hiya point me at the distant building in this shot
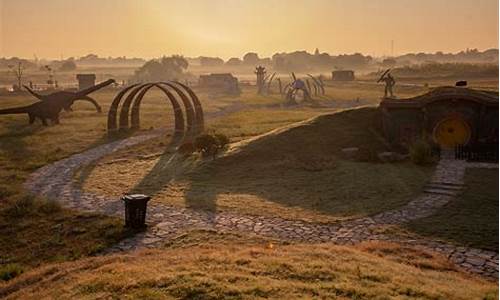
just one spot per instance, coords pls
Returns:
(223, 82)
(344, 75)
(450, 116)
(85, 80)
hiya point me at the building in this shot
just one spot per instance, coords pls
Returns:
(448, 116)
(344, 75)
(223, 82)
(85, 80)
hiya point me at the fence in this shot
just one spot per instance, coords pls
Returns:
(477, 152)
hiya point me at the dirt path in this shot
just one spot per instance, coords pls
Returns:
(55, 181)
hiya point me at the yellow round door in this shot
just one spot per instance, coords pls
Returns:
(451, 132)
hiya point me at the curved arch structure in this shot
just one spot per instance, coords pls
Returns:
(189, 121)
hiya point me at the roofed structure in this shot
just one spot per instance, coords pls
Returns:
(450, 116)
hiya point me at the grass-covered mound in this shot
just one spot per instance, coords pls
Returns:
(295, 172)
(213, 266)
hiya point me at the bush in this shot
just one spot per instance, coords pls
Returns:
(186, 148)
(9, 271)
(24, 205)
(20, 206)
(210, 144)
(49, 206)
(421, 152)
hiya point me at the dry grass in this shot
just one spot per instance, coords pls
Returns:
(232, 268)
(30, 236)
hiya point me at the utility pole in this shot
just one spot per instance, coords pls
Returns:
(392, 48)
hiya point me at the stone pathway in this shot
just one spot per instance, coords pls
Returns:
(55, 181)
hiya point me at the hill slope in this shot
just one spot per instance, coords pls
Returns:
(215, 266)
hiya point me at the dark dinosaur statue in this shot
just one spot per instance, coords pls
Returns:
(72, 96)
(51, 105)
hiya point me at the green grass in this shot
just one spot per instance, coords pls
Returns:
(471, 219)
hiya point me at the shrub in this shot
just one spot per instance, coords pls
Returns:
(186, 148)
(222, 140)
(49, 206)
(421, 152)
(24, 205)
(9, 271)
(20, 206)
(210, 144)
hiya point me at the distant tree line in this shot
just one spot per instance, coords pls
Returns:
(165, 68)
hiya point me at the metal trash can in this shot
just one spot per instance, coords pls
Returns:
(135, 210)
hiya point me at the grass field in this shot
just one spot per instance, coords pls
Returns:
(265, 177)
(472, 219)
(295, 173)
(205, 265)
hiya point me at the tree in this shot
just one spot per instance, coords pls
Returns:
(68, 65)
(234, 61)
(251, 58)
(166, 68)
(211, 61)
(18, 73)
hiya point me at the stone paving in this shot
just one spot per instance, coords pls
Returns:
(55, 181)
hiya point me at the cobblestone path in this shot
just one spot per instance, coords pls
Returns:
(55, 181)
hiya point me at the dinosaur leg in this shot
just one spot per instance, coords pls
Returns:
(32, 118)
(55, 120)
(44, 121)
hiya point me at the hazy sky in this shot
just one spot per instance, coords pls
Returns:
(226, 28)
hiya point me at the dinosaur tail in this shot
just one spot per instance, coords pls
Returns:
(14, 110)
(94, 88)
(36, 95)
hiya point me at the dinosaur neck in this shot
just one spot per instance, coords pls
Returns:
(94, 88)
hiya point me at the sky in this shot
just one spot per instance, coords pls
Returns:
(230, 28)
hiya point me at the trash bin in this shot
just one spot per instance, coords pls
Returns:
(135, 210)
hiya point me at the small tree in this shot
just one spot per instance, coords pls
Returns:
(210, 144)
(68, 65)
(18, 73)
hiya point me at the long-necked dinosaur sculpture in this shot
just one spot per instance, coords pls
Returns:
(51, 105)
(73, 96)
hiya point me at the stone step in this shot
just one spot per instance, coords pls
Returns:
(447, 183)
(444, 187)
(441, 192)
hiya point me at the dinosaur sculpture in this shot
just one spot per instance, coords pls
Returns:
(51, 105)
(71, 97)
(292, 88)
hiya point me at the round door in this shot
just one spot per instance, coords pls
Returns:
(451, 132)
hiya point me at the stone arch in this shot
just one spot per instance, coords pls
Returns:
(135, 121)
(188, 106)
(200, 119)
(192, 106)
(113, 109)
(140, 91)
